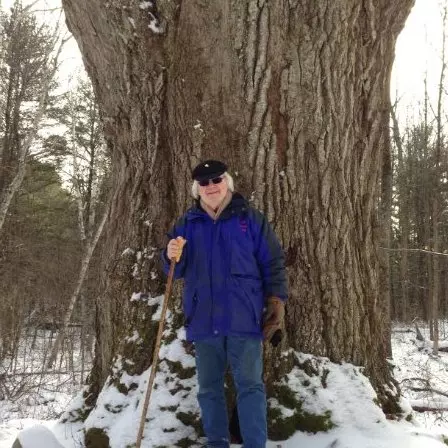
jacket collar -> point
(214, 214)
(237, 205)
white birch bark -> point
(76, 175)
(90, 247)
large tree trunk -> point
(294, 95)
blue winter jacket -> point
(230, 267)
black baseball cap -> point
(209, 169)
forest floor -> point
(39, 401)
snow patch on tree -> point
(128, 251)
(145, 5)
(150, 301)
(132, 22)
(155, 27)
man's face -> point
(213, 193)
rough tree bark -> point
(294, 95)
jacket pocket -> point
(249, 291)
(242, 261)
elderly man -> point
(233, 268)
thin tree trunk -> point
(427, 191)
(84, 266)
(83, 345)
(436, 277)
(77, 177)
(386, 238)
(404, 218)
(5, 145)
(436, 194)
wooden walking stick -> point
(155, 356)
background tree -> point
(420, 174)
(37, 276)
(295, 96)
(399, 306)
(419, 180)
(29, 62)
(38, 255)
(89, 168)
(89, 160)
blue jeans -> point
(246, 361)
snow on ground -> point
(416, 367)
(348, 395)
(37, 399)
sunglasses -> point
(215, 180)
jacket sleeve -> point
(179, 229)
(270, 258)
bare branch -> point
(430, 252)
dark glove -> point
(273, 317)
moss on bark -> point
(281, 427)
(191, 419)
(181, 372)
